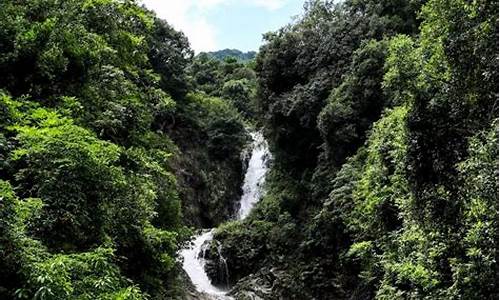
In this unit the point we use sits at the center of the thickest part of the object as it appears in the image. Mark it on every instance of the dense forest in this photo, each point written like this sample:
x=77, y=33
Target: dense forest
x=234, y=53
x=117, y=143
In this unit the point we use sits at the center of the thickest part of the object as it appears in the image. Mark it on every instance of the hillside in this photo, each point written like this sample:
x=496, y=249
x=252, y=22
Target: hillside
x=355, y=156
x=234, y=53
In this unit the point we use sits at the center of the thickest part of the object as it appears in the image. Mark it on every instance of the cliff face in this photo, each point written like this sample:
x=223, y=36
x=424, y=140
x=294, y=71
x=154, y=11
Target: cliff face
x=209, y=167
x=209, y=190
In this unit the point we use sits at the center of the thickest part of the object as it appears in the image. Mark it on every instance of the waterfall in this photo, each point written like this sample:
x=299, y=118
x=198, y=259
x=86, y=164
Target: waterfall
x=223, y=268
x=255, y=175
x=194, y=256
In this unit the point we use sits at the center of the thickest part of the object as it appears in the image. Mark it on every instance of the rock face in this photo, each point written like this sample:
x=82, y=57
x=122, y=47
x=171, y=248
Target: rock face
x=210, y=184
x=255, y=287
x=209, y=189
x=190, y=292
x=215, y=264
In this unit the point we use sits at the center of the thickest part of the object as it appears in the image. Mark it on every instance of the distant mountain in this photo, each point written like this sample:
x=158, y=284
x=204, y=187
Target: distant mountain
x=241, y=56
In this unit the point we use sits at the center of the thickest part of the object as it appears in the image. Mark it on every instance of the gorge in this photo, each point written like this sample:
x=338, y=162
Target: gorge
x=353, y=156
x=194, y=259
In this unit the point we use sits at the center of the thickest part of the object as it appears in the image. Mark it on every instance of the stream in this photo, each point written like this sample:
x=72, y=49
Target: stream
x=193, y=256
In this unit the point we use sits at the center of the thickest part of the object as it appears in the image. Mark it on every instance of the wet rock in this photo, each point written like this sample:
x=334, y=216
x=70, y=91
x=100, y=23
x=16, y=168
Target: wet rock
x=255, y=287
x=215, y=264
x=190, y=292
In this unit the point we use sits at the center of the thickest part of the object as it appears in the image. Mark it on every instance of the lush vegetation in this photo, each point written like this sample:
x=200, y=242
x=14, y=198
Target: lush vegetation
x=382, y=117
x=234, y=53
x=228, y=79
x=100, y=133
x=115, y=140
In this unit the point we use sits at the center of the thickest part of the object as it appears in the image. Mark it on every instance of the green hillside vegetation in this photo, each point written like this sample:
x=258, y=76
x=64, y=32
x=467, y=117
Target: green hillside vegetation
x=382, y=117
x=229, y=79
x=231, y=53
x=117, y=143
x=98, y=128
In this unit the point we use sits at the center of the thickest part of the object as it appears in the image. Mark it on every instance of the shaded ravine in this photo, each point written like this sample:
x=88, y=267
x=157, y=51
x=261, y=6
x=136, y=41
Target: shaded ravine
x=193, y=257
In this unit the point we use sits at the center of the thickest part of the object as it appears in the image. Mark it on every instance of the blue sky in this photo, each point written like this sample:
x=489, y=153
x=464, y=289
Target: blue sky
x=219, y=24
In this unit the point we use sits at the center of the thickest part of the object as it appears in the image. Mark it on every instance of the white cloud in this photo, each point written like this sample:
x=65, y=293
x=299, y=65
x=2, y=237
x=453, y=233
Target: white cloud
x=269, y=4
x=209, y=3
x=190, y=16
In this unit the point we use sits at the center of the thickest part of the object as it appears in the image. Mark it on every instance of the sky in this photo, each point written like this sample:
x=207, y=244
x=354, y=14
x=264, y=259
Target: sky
x=219, y=24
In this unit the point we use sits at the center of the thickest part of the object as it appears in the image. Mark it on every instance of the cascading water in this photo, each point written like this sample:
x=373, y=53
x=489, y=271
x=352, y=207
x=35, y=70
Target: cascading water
x=194, y=256
x=194, y=263
x=255, y=175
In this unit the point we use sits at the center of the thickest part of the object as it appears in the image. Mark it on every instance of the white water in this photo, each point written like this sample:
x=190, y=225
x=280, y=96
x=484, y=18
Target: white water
x=255, y=175
x=193, y=262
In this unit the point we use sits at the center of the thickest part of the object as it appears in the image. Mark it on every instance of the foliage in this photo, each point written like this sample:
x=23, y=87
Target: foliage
x=90, y=92
x=72, y=171
x=381, y=116
x=211, y=135
x=234, y=53
x=355, y=104
x=384, y=134
x=303, y=62
x=229, y=79
x=86, y=275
